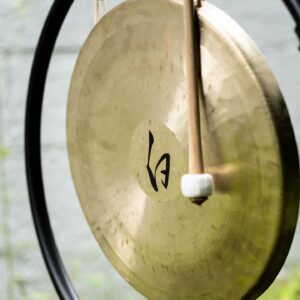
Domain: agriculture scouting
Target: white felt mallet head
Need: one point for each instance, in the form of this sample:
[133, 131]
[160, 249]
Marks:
[197, 186]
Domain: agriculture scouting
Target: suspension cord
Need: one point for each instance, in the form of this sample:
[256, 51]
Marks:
[97, 8]
[96, 11]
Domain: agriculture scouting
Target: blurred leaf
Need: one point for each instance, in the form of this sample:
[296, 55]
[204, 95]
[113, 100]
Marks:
[20, 6]
[95, 279]
[40, 296]
[287, 288]
[4, 152]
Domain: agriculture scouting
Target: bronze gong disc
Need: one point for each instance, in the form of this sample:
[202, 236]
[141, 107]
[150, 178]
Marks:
[128, 148]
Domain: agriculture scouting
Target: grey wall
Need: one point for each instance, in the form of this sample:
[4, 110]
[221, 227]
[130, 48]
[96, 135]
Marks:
[22, 271]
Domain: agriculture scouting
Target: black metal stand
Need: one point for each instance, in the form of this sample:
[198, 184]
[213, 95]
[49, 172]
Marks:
[294, 8]
[38, 77]
[35, 95]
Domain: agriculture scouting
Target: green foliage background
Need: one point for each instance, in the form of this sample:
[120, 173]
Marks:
[287, 288]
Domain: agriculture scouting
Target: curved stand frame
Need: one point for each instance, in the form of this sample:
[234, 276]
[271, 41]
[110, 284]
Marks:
[35, 95]
[294, 8]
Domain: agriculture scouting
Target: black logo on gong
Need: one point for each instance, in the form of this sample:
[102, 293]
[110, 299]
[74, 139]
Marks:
[165, 158]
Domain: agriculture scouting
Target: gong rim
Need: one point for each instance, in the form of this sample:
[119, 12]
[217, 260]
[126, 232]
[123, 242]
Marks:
[290, 163]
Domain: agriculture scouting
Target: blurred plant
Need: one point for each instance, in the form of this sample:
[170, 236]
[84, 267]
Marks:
[20, 283]
[286, 288]
[40, 296]
[4, 195]
[20, 6]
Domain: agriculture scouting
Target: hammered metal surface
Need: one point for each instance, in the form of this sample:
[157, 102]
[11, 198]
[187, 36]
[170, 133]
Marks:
[128, 148]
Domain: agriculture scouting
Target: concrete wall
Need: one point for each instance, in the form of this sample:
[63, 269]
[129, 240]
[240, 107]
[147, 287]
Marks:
[22, 271]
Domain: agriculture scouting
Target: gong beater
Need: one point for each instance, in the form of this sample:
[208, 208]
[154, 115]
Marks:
[128, 148]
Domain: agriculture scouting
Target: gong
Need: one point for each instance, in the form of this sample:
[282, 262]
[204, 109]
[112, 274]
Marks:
[128, 148]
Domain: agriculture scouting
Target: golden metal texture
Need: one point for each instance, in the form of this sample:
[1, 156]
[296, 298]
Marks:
[128, 148]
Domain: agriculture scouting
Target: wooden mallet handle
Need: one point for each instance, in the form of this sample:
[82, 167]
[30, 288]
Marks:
[193, 71]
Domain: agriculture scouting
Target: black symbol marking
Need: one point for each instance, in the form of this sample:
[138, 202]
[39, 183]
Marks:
[166, 171]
